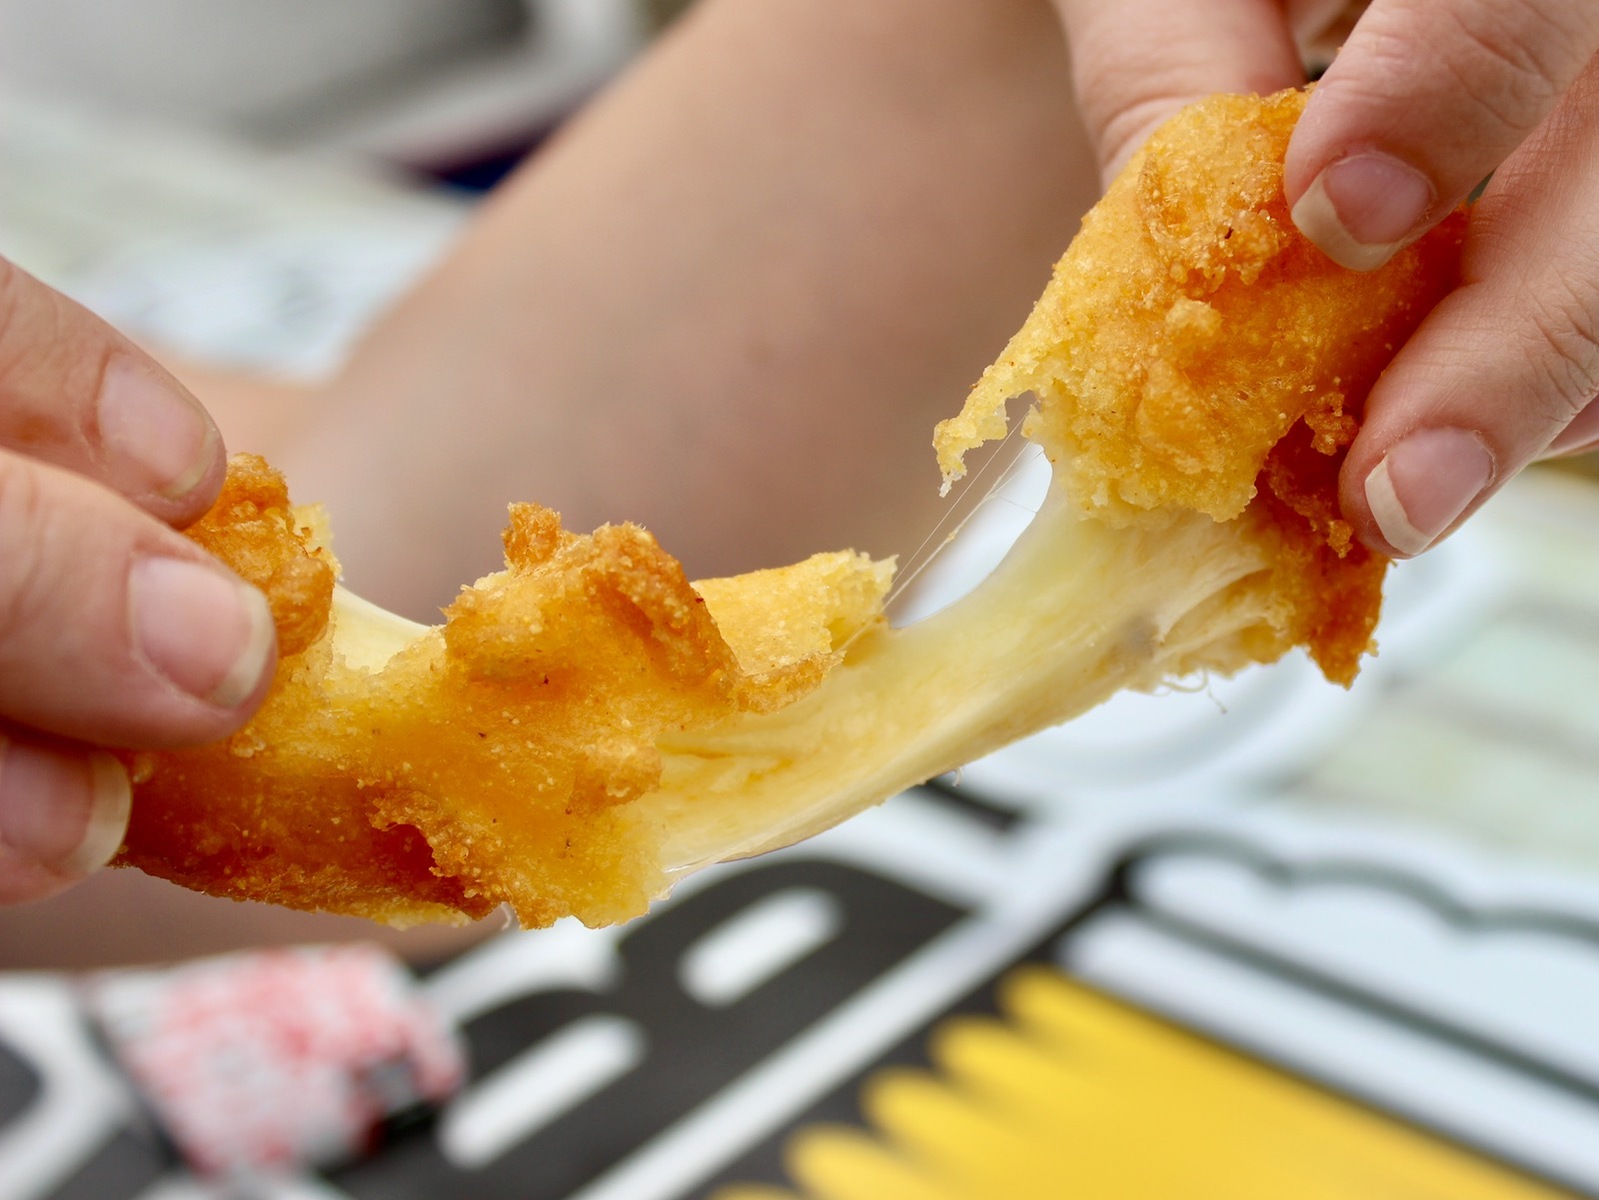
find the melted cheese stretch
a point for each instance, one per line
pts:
(1198, 366)
(1076, 612)
(587, 726)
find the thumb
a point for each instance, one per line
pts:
(1135, 64)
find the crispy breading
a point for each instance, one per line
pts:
(1188, 331)
(587, 725)
(492, 760)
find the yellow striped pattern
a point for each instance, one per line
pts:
(1073, 1095)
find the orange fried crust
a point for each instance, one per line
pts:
(490, 761)
(1193, 359)
(1194, 351)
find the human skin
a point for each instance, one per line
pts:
(787, 220)
(1425, 99)
(115, 630)
(729, 302)
(792, 218)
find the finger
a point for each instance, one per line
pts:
(1135, 64)
(76, 393)
(1321, 27)
(1581, 436)
(63, 814)
(1507, 362)
(1424, 101)
(114, 629)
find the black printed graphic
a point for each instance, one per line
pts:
(690, 1050)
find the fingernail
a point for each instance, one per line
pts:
(208, 633)
(1362, 209)
(66, 811)
(1424, 483)
(155, 428)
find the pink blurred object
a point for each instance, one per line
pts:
(270, 1060)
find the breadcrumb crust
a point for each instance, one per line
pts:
(493, 759)
(586, 721)
(1194, 351)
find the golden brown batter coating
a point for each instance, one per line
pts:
(489, 761)
(586, 723)
(1188, 329)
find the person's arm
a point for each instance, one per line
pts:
(729, 302)
(114, 629)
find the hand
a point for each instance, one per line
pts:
(1426, 98)
(114, 629)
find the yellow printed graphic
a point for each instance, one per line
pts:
(1073, 1096)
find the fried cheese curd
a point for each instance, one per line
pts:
(586, 726)
(410, 774)
(1193, 353)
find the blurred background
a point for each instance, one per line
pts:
(420, 83)
(247, 183)
(1263, 934)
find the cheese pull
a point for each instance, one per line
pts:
(587, 725)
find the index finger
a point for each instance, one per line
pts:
(1422, 103)
(77, 394)
(1505, 362)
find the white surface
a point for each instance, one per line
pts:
(233, 256)
(429, 81)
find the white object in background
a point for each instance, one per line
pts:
(428, 82)
(222, 252)
(492, 101)
(234, 64)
